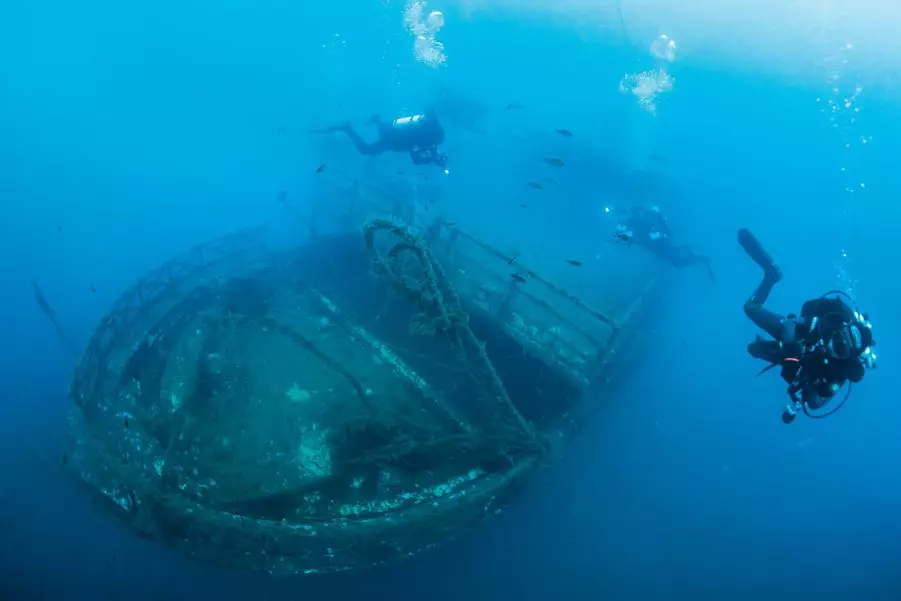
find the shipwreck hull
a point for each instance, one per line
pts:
(339, 405)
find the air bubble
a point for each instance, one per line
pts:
(424, 29)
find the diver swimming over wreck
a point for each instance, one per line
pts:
(648, 227)
(418, 135)
(828, 346)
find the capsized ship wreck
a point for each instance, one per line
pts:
(342, 404)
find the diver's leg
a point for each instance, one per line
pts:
(775, 325)
(772, 323)
(677, 256)
(362, 146)
(684, 256)
(767, 350)
(332, 129)
(755, 250)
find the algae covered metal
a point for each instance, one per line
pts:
(333, 406)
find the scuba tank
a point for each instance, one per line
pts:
(405, 123)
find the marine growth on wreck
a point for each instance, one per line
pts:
(341, 404)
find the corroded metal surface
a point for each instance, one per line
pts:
(250, 408)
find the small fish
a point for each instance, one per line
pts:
(401, 172)
(321, 168)
(534, 184)
(514, 106)
(518, 278)
(551, 180)
(126, 423)
(622, 236)
(59, 228)
(93, 288)
(574, 263)
(657, 157)
(282, 196)
(565, 133)
(64, 459)
(523, 206)
(510, 262)
(554, 161)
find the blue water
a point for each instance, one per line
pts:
(129, 132)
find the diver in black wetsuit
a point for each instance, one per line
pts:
(829, 345)
(648, 228)
(419, 135)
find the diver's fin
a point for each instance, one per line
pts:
(755, 250)
(766, 369)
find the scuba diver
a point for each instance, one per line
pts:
(419, 135)
(648, 228)
(829, 345)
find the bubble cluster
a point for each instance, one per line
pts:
(424, 28)
(840, 103)
(648, 85)
(843, 272)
